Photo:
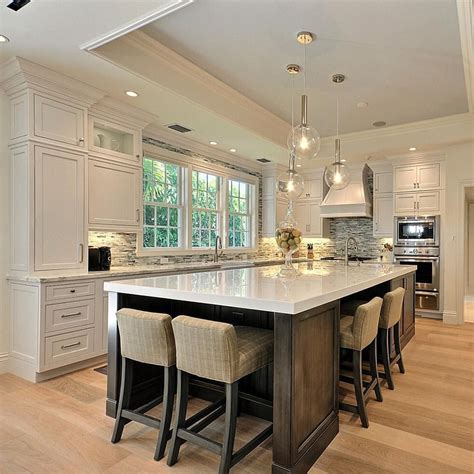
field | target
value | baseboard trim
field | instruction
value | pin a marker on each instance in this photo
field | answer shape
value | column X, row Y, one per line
column 450, row 317
column 469, row 298
column 3, row 362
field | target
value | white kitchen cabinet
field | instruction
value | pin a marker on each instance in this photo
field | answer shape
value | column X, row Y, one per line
column 383, row 182
column 114, row 196
column 59, row 190
column 414, row 203
column 273, row 212
column 312, row 189
column 422, row 176
column 115, row 141
column 383, row 216
column 59, row 121
column 309, row 220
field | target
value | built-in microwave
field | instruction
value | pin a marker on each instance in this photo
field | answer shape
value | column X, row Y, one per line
column 415, row 231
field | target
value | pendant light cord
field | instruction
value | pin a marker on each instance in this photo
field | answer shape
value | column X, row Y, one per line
column 337, row 114
column 291, row 161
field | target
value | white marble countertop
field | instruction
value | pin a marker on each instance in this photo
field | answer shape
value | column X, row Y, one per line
column 137, row 270
column 265, row 288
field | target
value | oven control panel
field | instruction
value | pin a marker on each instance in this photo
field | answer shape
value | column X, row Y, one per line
column 417, row 251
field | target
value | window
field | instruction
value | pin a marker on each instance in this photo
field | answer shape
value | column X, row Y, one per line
column 205, row 209
column 162, row 204
column 239, row 209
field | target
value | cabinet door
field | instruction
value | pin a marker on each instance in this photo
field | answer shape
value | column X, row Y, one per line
column 383, row 182
column 428, row 201
column 405, row 203
column 315, row 220
column 429, row 176
column 405, row 178
column 59, row 209
column 268, row 217
column 312, row 189
column 114, row 195
column 302, row 217
column 105, row 322
column 58, row 121
column 383, row 216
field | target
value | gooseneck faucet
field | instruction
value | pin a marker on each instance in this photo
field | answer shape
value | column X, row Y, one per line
column 217, row 245
column 346, row 255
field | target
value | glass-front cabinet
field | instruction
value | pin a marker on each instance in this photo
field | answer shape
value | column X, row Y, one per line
column 114, row 140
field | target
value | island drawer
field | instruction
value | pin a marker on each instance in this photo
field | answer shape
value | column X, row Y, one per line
column 69, row 315
column 70, row 291
column 67, row 348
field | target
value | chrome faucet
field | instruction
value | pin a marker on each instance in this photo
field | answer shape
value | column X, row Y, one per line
column 217, row 245
column 346, row 256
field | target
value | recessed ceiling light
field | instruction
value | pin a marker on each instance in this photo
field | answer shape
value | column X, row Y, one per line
column 362, row 105
column 298, row 165
column 343, row 161
column 232, row 150
column 380, row 123
column 212, row 143
column 4, row 39
column 131, row 93
column 412, row 148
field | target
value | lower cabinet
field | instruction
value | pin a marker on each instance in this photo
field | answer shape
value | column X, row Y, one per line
column 407, row 326
column 114, row 196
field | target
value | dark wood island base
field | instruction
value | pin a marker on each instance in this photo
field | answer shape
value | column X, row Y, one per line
column 299, row 393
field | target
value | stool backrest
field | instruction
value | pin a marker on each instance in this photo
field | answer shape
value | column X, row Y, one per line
column 205, row 348
column 392, row 308
column 146, row 337
column 366, row 323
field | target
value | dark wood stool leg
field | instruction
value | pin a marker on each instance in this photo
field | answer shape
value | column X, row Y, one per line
column 373, row 369
column 385, row 343
column 231, row 408
column 182, row 405
column 359, row 387
column 124, row 398
column 168, row 397
column 398, row 351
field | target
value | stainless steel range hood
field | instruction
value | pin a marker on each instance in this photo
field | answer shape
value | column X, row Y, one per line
column 355, row 200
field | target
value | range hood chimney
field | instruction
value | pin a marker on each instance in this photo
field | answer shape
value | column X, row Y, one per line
column 355, row 200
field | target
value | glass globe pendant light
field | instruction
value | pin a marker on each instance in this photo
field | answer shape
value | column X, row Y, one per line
column 337, row 175
column 304, row 141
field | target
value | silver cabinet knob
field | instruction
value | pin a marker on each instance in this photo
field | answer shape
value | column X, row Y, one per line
column 81, row 141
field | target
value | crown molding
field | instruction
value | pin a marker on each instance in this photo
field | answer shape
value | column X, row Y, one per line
column 163, row 10
column 18, row 74
column 465, row 20
column 159, row 133
column 125, row 113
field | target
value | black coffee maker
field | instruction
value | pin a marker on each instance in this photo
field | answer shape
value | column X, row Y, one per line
column 99, row 259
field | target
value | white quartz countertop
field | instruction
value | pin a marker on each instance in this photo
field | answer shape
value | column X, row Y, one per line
column 137, row 270
column 265, row 288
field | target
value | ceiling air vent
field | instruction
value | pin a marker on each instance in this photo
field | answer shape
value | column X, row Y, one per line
column 179, row 128
column 263, row 160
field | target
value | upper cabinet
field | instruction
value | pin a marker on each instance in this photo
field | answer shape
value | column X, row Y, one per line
column 422, row 176
column 115, row 141
column 312, row 189
column 383, row 182
column 59, row 121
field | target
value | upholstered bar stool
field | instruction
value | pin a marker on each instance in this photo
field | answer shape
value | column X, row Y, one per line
column 390, row 318
column 223, row 353
column 357, row 333
column 146, row 337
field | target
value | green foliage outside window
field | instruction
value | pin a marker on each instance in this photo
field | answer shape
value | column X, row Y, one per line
column 239, row 214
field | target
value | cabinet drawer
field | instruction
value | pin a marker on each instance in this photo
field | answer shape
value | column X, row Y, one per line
column 67, row 348
column 70, row 291
column 69, row 315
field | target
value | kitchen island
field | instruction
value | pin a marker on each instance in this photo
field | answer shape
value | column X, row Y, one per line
column 300, row 306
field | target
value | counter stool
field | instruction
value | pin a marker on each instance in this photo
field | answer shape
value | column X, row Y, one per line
column 148, row 338
column 224, row 353
column 358, row 332
column 390, row 318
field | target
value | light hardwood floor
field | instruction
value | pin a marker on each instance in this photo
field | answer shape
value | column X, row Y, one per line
column 426, row 425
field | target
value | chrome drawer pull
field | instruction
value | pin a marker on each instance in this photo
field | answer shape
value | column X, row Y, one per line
column 66, row 346
column 71, row 314
column 72, row 291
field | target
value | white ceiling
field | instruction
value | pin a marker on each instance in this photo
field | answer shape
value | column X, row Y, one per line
column 401, row 57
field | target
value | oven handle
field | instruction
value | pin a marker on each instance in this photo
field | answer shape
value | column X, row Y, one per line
column 417, row 259
column 427, row 293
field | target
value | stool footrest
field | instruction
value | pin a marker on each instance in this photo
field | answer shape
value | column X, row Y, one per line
column 200, row 440
column 147, row 420
column 251, row 445
column 192, row 420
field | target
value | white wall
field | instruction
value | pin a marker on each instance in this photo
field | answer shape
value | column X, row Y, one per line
column 459, row 171
column 4, row 229
column 470, row 249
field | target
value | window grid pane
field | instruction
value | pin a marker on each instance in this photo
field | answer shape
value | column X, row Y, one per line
column 239, row 214
column 162, row 204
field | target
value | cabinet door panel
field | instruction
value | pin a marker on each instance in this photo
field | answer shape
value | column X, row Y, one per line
column 429, row 176
column 268, row 217
column 59, row 209
column 383, row 216
column 58, row 121
column 405, row 178
column 429, row 201
column 405, row 203
column 315, row 220
column 114, row 195
column 383, row 182
column 302, row 216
